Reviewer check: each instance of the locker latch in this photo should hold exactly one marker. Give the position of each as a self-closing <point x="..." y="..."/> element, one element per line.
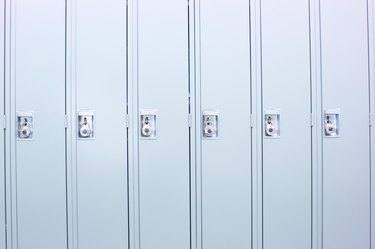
<point x="272" y="124"/>
<point x="25" y="125"/>
<point x="148" y="124"/>
<point x="86" y="124"/>
<point x="332" y="122"/>
<point x="210" y="124"/>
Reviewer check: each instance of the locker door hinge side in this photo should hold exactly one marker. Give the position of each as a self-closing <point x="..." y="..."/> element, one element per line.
<point x="66" y="121"/>
<point x="4" y="123"/>
<point x="252" y="120"/>
<point x="312" y="120"/>
<point x="371" y="119"/>
<point x="190" y="120"/>
<point x="127" y="120"/>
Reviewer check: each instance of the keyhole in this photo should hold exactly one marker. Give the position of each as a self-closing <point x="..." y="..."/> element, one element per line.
<point x="269" y="120"/>
<point x="328" y="120"/>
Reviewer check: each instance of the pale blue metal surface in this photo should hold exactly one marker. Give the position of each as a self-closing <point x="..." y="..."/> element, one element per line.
<point x="2" y="128"/>
<point x="346" y="165"/>
<point x="224" y="163"/>
<point x="257" y="131"/>
<point x="299" y="191"/>
<point x="99" y="33"/>
<point x="316" y="108"/>
<point x="371" y="13"/>
<point x="287" y="160"/>
<point x="163" y="163"/>
<point x="37" y="83"/>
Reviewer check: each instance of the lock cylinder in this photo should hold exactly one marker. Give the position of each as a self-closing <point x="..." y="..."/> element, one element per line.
<point x="270" y="130"/>
<point x="209" y="130"/>
<point x="147" y="130"/>
<point x="24" y="131"/>
<point x="330" y="130"/>
<point x="85" y="131"/>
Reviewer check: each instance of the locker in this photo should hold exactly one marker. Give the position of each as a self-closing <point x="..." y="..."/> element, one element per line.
<point x="37" y="131"/>
<point x="345" y="93"/>
<point x="2" y="128"/>
<point x="223" y="102"/>
<point x="160" y="127"/>
<point x="98" y="51"/>
<point x="287" y="128"/>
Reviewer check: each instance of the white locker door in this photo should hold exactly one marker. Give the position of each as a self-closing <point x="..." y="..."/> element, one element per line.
<point x="163" y="167"/>
<point x="345" y="86"/>
<point x="38" y="161"/>
<point x="225" y="168"/>
<point x="2" y="130"/>
<point x="100" y="38"/>
<point x="286" y="97"/>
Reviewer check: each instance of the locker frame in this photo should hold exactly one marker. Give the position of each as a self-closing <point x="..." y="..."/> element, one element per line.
<point x="371" y="42"/>
<point x="133" y="143"/>
<point x="71" y="156"/>
<point x="257" y="116"/>
<point x="196" y="144"/>
<point x="12" y="238"/>
<point x="2" y="135"/>
<point x="195" y="130"/>
<point x="7" y="78"/>
<point x="317" y="127"/>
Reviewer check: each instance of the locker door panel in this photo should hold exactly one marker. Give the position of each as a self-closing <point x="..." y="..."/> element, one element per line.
<point x="2" y="131"/>
<point x="346" y="166"/>
<point x="101" y="89"/>
<point x="164" y="161"/>
<point x="38" y="86"/>
<point x="286" y="159"/>
<point x="226" y="160"/>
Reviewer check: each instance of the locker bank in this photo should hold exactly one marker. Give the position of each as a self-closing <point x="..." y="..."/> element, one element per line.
<point x="187" y="124"/>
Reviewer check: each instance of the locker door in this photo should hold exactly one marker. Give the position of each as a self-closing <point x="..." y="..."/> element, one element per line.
<point x="2" y="130"/>
<point x="38" y="165"/>
<point x="345" y="86"/>
<point x="286" y="99"/>
<point x="225" y="158"/>
<point x="163" y="164"/>
<point x="102" y="212"/>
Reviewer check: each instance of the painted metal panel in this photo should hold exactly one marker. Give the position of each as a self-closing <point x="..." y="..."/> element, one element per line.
<point x="287" y="159"/>
<point x="346" y="166"/>
<point x="316" y="107"/>
<point x="38" y="85"/>
<point x="257" y="131"/>
<point x="101" y="167"/>
<point x="2" y="129"/>
<point x="371" y="11"/>
<point x="164" y="220"/>
<point x="226" y="160"/>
